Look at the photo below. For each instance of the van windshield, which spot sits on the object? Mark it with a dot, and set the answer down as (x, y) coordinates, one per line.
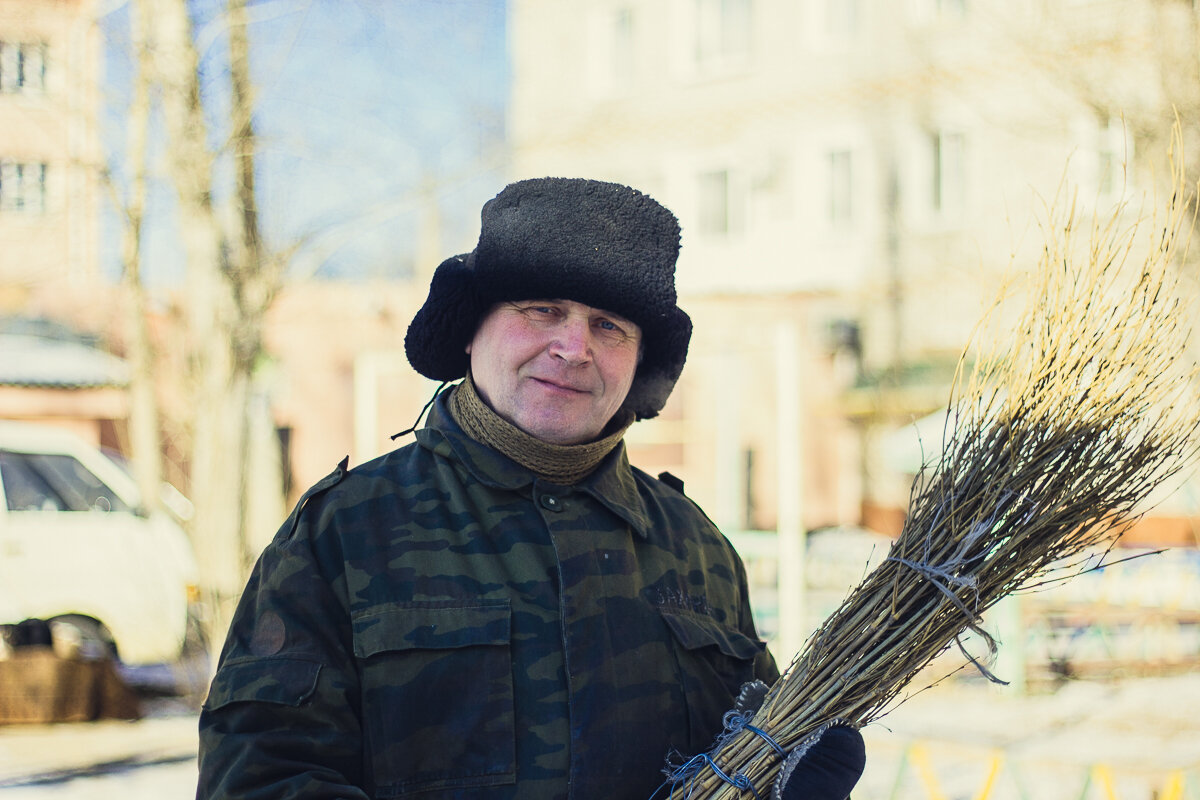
(41, 482)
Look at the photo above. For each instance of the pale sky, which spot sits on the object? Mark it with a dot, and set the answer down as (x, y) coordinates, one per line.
(359, 100)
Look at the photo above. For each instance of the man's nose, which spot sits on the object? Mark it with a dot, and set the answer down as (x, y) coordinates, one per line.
(572, 340)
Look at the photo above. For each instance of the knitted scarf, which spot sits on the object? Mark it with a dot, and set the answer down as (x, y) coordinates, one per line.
(564, 464)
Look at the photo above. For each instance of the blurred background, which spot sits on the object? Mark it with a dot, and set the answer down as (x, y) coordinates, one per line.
(217, 218)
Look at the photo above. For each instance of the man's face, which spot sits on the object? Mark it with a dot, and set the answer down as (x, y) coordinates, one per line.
(556, 369)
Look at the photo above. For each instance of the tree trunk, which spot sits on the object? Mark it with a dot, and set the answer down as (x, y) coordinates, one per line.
(144, 441)
(254, 280)
(216, 429)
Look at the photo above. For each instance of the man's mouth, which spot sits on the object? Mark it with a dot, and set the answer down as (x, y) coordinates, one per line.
(561, 386)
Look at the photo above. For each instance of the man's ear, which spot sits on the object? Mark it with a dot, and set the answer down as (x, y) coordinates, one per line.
(467, 349)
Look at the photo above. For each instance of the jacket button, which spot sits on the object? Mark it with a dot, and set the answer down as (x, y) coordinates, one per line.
(551, 503)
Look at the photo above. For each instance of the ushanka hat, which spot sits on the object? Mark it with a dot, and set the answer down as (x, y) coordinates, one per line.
(601, 244)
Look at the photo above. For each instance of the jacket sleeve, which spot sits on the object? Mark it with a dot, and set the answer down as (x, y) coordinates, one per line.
(282, 716)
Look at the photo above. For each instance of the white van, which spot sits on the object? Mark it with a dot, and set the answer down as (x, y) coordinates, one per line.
(78, 548)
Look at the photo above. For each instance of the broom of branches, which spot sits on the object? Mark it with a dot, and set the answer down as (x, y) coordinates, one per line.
(1052, 442)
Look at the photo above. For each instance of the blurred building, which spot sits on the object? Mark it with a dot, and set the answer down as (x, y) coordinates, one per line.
(50, 54)
(860, 173)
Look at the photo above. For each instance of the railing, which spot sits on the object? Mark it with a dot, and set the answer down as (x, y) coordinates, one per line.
(925, 769)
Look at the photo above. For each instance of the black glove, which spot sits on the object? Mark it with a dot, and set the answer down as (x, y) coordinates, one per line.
(823, 767)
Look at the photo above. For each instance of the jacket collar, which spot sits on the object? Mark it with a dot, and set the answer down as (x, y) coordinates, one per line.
(612, 483)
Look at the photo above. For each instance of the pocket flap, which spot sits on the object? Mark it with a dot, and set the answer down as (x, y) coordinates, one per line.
(285, 681)
(694, 631)
(422, 626)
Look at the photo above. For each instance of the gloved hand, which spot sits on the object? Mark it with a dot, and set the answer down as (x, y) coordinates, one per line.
(823, 767)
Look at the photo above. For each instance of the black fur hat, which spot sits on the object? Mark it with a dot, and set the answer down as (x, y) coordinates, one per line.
(602, 244)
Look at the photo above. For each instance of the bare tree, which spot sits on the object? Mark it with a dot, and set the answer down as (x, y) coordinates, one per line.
(254, 278)
(232, 279)
(1136, 65)
(144, 425)
(215, 440)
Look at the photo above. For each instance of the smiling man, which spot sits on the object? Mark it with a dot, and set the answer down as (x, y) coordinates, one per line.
(506, 608)
(556, 369)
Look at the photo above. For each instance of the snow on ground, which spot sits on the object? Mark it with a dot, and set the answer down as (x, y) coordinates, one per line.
(154, 757)
(1129, 740)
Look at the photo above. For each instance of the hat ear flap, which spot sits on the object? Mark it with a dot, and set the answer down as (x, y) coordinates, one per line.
(667, 347)
(437, 337)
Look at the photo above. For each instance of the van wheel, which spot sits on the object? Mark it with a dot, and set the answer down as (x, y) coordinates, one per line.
(87, 636)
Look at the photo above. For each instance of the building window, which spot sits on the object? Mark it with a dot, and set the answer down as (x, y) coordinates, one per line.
(750, 479)
(930, 12)
(1112, 154)
(1104, 149)
(954, 9)
(612, 61)
(722, 32)
(715, 218)
(22, 67)
(841, 187)
(842, 19)
(949, 176)
(623, 58)
(22, 187)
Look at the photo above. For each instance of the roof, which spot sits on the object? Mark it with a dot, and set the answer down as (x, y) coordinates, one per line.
(29, 359)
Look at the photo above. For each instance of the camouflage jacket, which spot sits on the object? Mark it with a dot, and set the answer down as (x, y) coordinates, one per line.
(441, 621)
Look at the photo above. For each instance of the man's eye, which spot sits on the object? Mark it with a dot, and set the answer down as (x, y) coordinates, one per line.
(612, 332)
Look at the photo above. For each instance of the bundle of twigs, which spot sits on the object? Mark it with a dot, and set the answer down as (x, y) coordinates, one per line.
(1051, 444)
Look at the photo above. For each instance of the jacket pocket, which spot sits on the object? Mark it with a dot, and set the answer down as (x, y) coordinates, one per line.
(282, 681)
(714, 661)
(437, 695)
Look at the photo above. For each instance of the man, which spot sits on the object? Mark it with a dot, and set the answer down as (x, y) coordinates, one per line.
(504, 608)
